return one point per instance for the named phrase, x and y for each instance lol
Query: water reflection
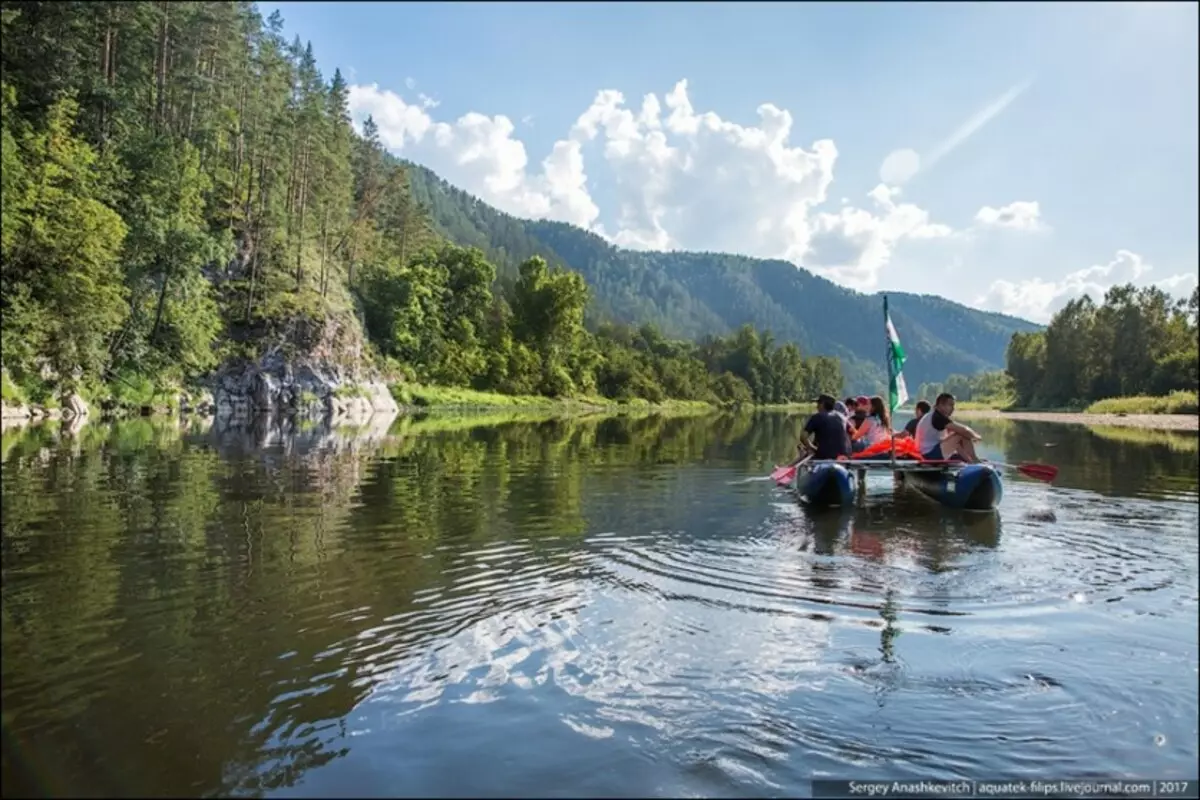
(602, 605)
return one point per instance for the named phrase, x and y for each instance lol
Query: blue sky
(1096, 144)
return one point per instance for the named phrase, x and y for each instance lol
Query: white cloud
(853, 245)
(479, 153)
(1180, 284)
(1022, 215)
(410, 83)
(679, 179)
(1038, 299)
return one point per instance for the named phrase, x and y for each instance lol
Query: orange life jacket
(905, 448)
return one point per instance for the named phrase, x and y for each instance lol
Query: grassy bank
(992, 404)
(1179, 441)
(1174, 403)
(449, 398)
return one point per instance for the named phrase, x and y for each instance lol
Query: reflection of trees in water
(165, 587)
(1130, 463)
(176, 579)
(216, 554)
(889, 632)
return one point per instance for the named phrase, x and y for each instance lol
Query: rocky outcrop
(315, 366)
(41, 412)
(199, 402)
(74, 407)
(274, 386)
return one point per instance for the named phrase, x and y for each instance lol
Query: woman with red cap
(859, 411)
(876, 425)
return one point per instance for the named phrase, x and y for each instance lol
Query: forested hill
(188, 213)
(694, 294)
(188, 208)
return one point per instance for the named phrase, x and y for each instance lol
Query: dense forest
(984, 387)
(184, 189)
(692, 294)
(1136, 342)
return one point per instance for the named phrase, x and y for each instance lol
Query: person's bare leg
(960, 445)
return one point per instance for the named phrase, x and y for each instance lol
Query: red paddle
(1039, 472)
(784, 475)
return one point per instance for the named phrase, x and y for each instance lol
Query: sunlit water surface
(612, 607)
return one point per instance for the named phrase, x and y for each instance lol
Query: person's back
(919, 412)
(829, 431)
(928, 437)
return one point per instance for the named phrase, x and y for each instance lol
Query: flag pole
(888, 359)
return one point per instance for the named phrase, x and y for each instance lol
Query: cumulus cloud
(679, 179)
(480, 154)
(1022, 215)
(853, 245)
(1038, 299)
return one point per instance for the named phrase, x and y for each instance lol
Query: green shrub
(1182, 402)
(10, 391)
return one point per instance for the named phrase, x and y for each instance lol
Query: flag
(897, 391)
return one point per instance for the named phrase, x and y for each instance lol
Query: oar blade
(784, 475)
(1041, 472)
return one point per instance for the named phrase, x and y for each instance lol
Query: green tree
(61, 272)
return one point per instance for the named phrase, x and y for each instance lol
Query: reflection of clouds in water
(660, 660)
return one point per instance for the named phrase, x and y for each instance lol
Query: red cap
(862, 400)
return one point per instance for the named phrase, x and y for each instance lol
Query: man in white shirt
(940, 438)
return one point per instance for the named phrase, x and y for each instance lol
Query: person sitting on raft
(876, 427)
(859, 411)
(940, 438)
(828, 434)
(922, 408)
(842, 411)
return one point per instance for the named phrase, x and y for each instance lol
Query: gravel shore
(1168, 422)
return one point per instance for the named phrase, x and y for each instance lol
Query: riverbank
(1169, 422)
(421, 399)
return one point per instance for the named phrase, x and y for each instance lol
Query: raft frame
(926, 470)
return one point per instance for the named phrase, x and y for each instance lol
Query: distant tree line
(983, 387)
(182, 187)
(1137, 342)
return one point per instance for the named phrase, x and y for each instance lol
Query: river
(615, 606)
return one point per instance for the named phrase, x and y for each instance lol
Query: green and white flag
(897, 391)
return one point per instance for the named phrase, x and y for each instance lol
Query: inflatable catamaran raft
(971, 487)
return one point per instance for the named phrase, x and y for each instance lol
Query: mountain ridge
(692, 294)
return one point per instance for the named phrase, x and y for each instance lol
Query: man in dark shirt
(825, 435)
(921, 410)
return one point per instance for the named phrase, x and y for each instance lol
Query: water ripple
(596, 608)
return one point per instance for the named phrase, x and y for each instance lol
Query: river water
(584, 607)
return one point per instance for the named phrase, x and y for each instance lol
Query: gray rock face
(200, 402)
(278, 387)
(74, 406)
